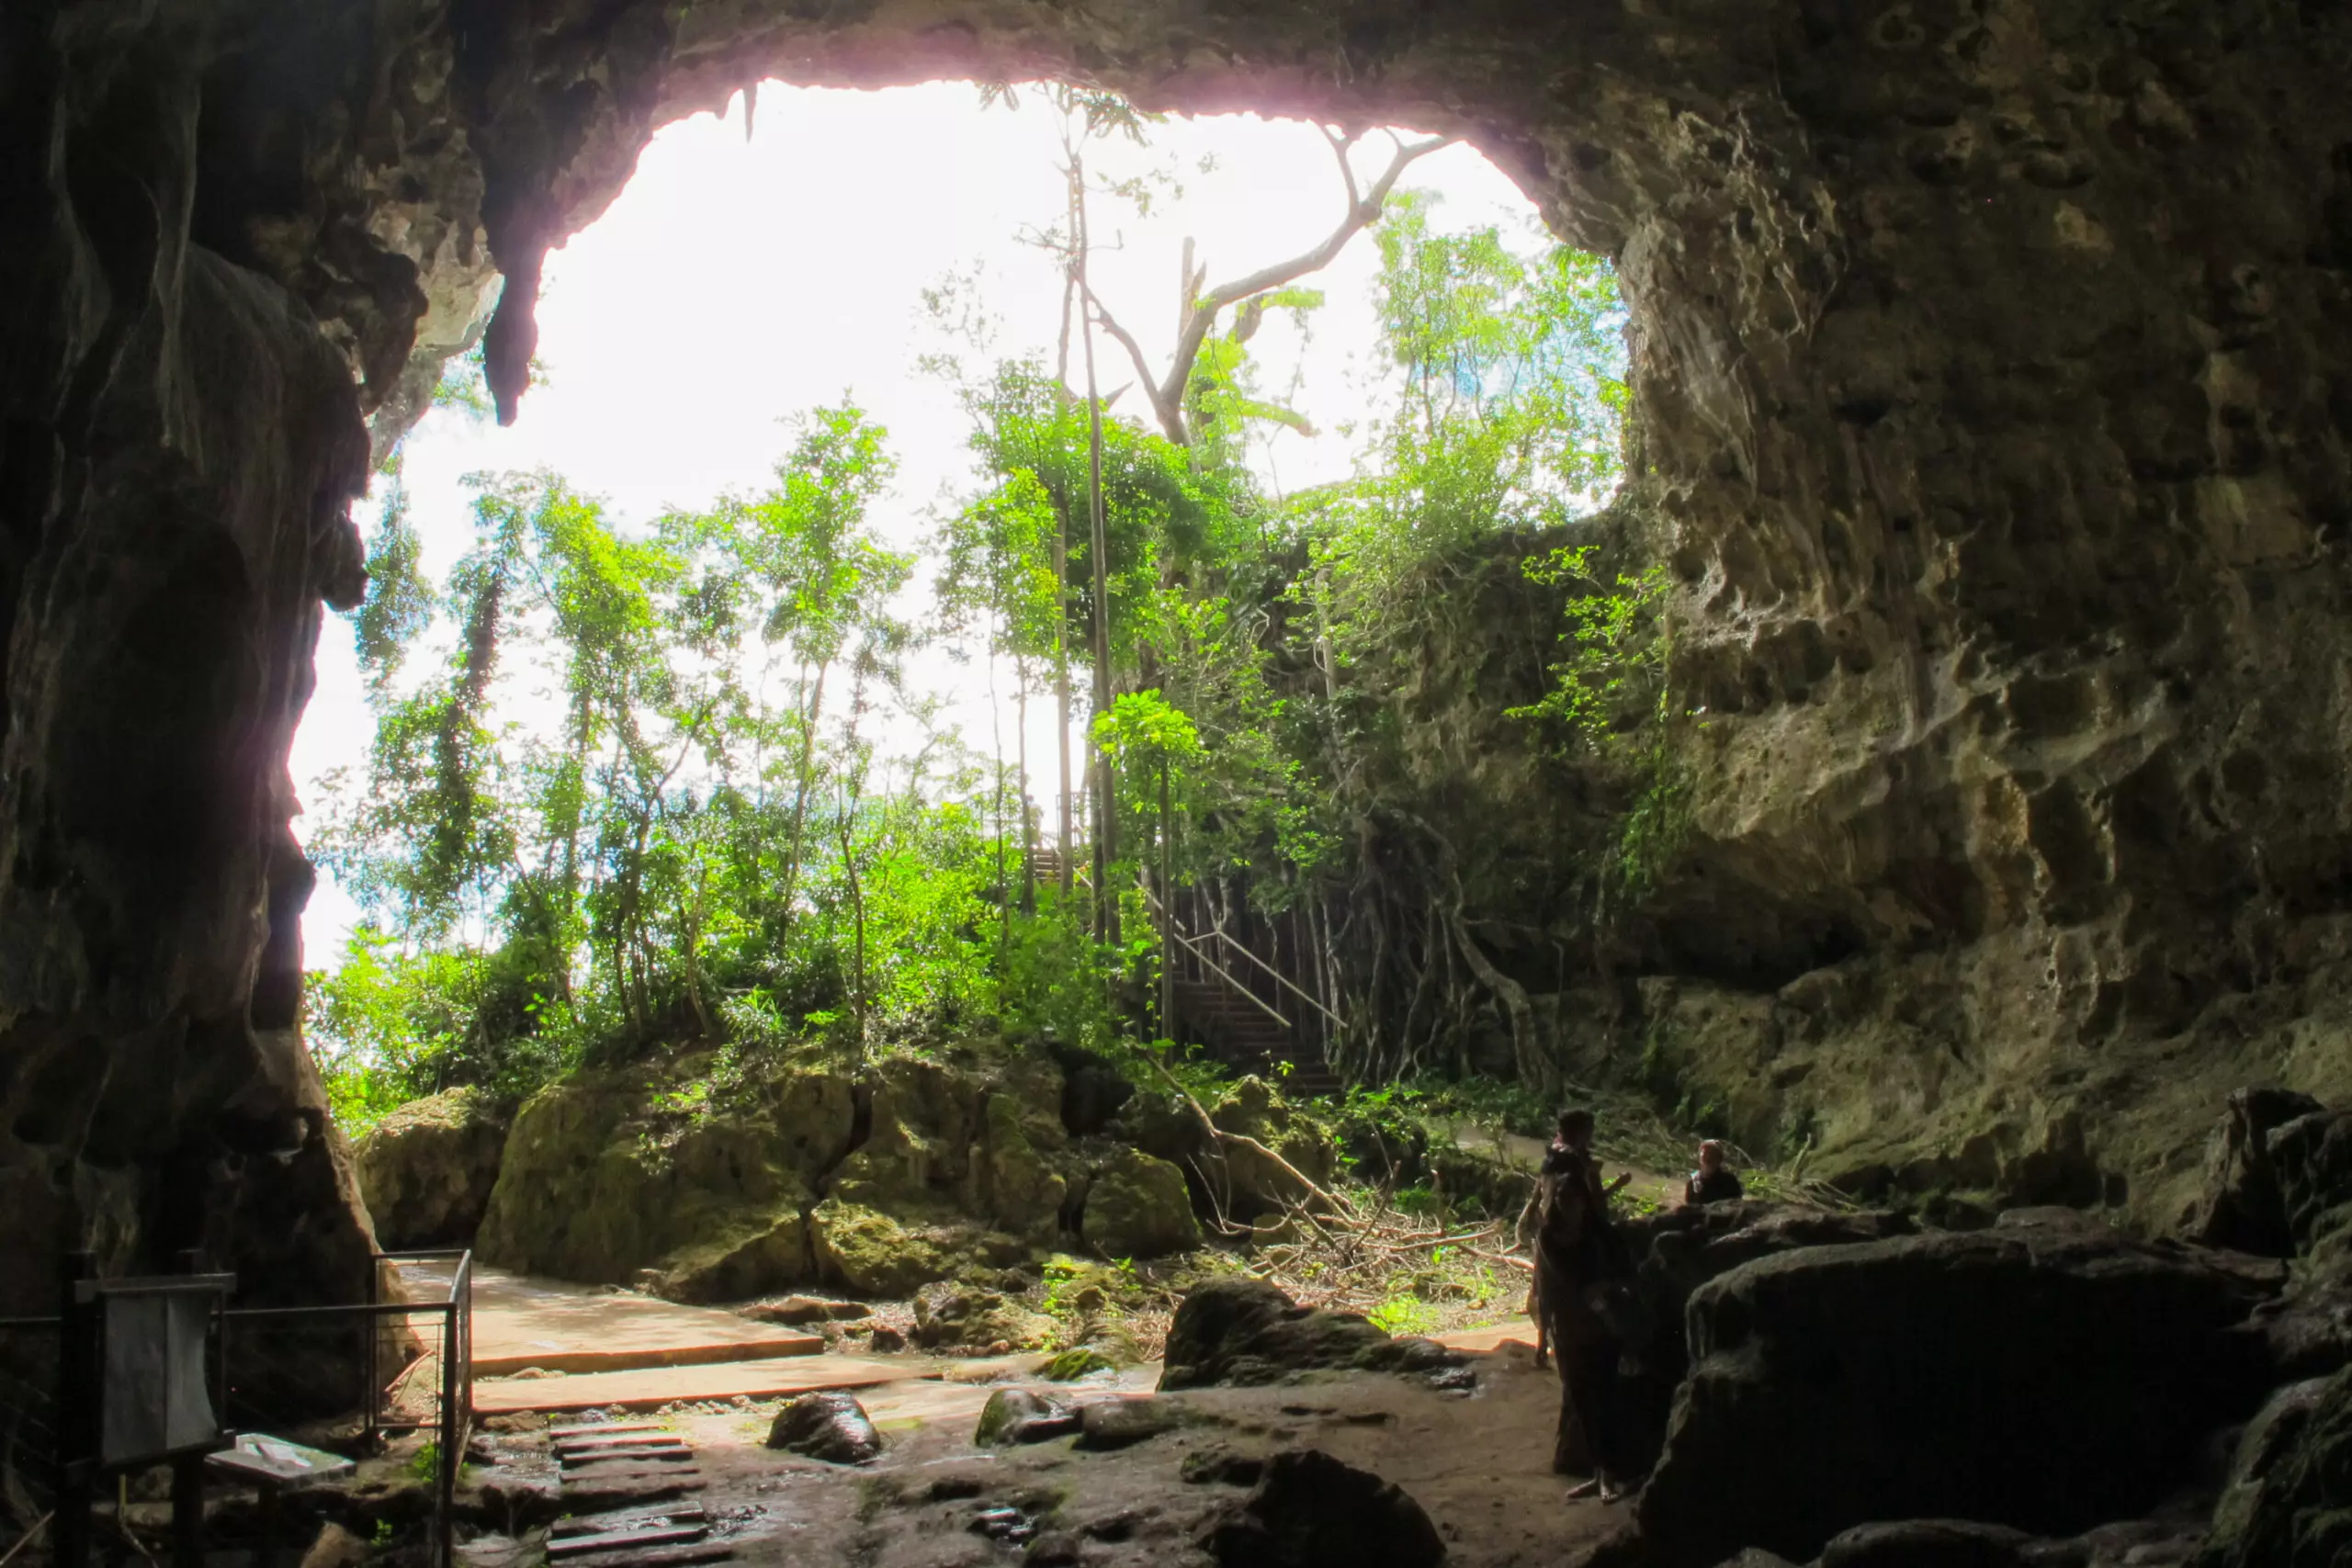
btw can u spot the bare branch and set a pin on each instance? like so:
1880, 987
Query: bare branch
1172, 415
1362, 211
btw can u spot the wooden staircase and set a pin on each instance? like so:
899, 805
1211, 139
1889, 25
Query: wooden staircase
1239, 1031
1214, 1008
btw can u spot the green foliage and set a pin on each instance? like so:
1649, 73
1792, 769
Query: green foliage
1405, 1315
624, 793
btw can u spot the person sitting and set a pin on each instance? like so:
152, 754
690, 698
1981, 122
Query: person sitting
1713, 1181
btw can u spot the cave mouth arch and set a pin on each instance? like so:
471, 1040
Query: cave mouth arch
1996, 352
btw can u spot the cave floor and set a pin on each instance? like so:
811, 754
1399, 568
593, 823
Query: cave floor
1478, 1463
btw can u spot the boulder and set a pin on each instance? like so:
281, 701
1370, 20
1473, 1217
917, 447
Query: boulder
1137, 1207
1018, 1415
2307, 1334
870, 1253
1241, 1183
1253, 1184
1071, 1365
950, 1315
1023, 1192
746, 1253
2300, 1513
793, 1310
609, 1173
2263, 1444
1678, 1250
828, 1427
1309, 1510
924, 1122
1927, 1543
1237, 1331
1123, 1423
428, 1168
2240, 1206
2044, 1379
2312, 1159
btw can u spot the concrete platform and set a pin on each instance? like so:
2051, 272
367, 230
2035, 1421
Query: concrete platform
651, 1387
521, 1323
1485, 1341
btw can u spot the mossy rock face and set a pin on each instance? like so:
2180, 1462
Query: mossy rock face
923, 1124
1071, 1365
427, 1170
866, 1251
761, 1253
1023, 1192
2293, 1507
610, 1174
968, 1317
1137, 1207
1259, 1185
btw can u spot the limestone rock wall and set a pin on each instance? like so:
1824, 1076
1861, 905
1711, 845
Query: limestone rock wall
1991, 385
178, 445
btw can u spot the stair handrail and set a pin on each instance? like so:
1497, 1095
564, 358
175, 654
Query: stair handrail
1260, 1003
1243, 948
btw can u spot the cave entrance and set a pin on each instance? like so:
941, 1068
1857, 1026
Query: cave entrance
846, 293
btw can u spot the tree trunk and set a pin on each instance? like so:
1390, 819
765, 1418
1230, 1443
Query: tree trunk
801, 799
1106, 821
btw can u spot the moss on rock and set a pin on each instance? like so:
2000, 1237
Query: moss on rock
1137, 1207
1023, 1192
868, 1252
608, 1174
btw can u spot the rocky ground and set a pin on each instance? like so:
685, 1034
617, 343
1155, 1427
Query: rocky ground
1476, 1459
1809, 1382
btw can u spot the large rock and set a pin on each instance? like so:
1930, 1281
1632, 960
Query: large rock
1021, 1190
2046, 1378
833, 1427
606, 1175
924, 1120
1021, 1416
2311, 1157
870, 1253
1677, 1250
953, 1315
1242, 1331
2241, 1206
1309, 1510
1235, 1179
2290, 1503
428, 1168
1137, 1207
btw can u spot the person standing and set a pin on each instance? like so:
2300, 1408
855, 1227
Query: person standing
1577, 1253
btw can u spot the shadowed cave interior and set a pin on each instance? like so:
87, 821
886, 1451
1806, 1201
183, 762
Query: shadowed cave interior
1991, 370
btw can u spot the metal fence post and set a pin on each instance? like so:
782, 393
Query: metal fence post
452, 1440
374, 1331
77, 1413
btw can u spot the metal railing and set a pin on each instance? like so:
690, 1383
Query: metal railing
32, 1436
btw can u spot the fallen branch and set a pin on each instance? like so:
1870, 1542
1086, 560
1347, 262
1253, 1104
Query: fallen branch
1217, 1135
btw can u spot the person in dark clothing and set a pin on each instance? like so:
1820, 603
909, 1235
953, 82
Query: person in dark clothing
1530, 1216
1577, 1254
1713, 1181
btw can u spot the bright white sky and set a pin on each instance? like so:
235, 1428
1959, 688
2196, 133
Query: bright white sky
733, 285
